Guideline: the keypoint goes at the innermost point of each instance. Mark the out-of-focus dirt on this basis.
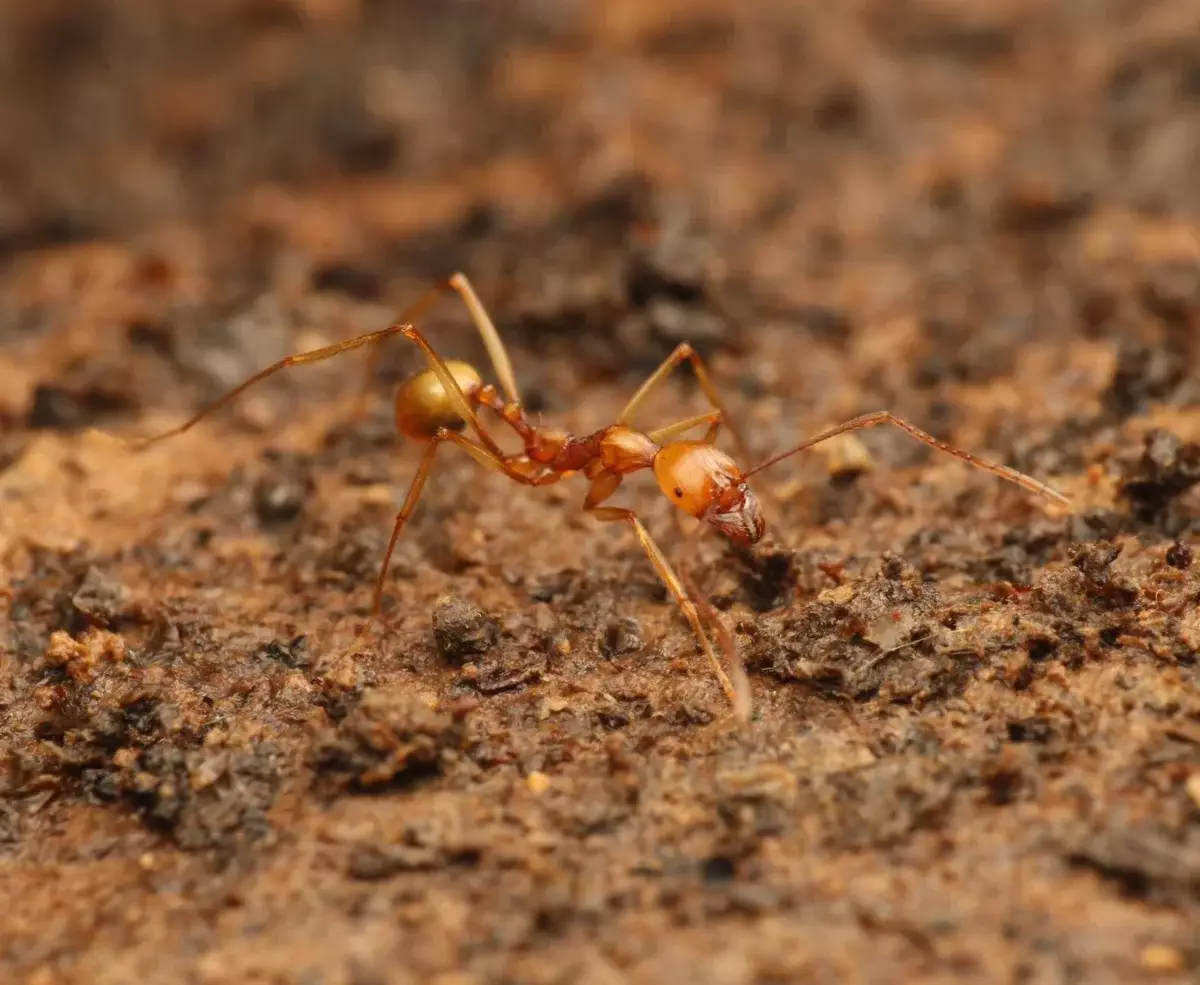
(975, 754)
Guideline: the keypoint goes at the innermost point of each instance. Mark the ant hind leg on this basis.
(479, 453)
(484, 325)
(300, 359)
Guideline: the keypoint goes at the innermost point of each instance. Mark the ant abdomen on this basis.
(423, 405)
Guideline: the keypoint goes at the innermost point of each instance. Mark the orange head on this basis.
(705, 483)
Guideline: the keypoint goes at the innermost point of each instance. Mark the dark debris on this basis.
(391, 739)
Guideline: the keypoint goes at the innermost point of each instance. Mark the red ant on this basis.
(433, 406)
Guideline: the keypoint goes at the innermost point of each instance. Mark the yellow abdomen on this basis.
(423, 405)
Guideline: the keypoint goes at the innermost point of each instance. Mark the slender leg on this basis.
(483, 324)
(737, 670)
(301, 359)
(481, 455)
(491, 337)
(685, 351)
(741, 684)
(464, 406)
(411, 314)
(672, 431)
(603, 487)
(884, 417)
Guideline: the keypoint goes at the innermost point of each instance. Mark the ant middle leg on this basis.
(682, 352)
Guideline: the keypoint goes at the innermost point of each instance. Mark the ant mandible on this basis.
(435, 404)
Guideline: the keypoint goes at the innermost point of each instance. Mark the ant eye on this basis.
(678, 493)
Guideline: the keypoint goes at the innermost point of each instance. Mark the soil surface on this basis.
(975, 748)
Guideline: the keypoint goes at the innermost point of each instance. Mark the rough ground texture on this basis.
(975, 754)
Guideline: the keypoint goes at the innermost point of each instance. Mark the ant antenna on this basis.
(885, 417)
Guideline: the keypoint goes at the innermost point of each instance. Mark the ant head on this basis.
(705, 483)
(738, 515)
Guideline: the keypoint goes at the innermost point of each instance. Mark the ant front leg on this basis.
(737, 690)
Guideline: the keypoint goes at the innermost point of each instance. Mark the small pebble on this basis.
(461, 628)
(1180, 556)
(846, 456)
(622, 636)
(537, 782)
(278, 500)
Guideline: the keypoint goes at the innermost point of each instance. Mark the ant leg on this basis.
(410, 314)
(464, 406)
(739, 697)
(724, 638)
(301, 359)
(483, 324)
(672, 431)
(490, 335)
(604, 486)
(884, 417)
(480, 454)
(741, 683)
(685, 351)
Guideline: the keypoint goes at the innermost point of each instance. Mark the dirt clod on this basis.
(462, 629)
(1180, 556)
(281, 494)
(204, 799)
(80, 659)
(392, 738)
(100, 599)
(622, 636)
(1167, 469)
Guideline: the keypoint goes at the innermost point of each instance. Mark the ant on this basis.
(434, 407)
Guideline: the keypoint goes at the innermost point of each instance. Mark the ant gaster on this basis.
(433, 406)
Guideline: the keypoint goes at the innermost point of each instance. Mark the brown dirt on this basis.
(976, 748)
